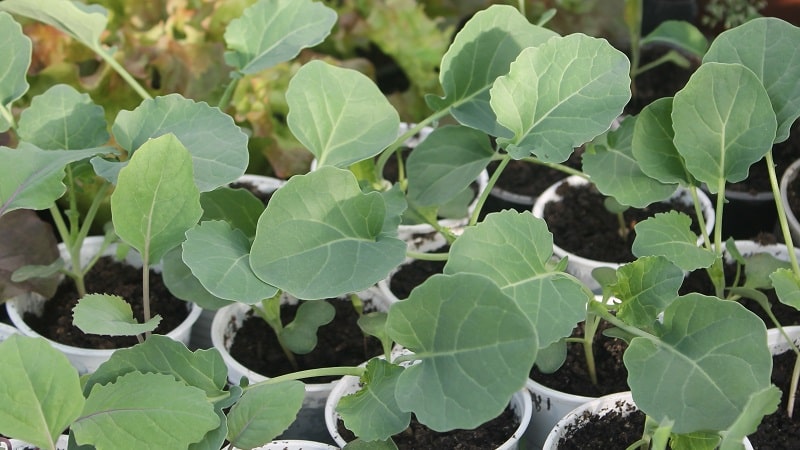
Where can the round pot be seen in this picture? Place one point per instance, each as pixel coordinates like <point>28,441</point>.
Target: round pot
<point>295,445</point>
<point>520,403</point>
<point>87,360</point>
<point>201,331</point>
<point>621,402</point>
<point>61,444</point>
<point>786,180</point>
<point>582,267</point>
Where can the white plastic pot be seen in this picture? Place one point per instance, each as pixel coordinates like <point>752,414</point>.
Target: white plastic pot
<point>582,267</point>
<point>295,445</point>
<point>788,176</point>
<point>86,360</point>
<point>520,404</point>
<point>621,402</point>
<point>549,406</point>
<point>61,444</point>
<point>6,331</point>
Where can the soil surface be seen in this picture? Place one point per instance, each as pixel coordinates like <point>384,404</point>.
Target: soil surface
<point>777,431</point>
<point>339,343</point>
<point>411,275</point>
<point>582,225</point>
<point>110,277</point>
<point>530,179</point>
<point>492,434</point>
<point>613,431</point>
<point>661,81</point>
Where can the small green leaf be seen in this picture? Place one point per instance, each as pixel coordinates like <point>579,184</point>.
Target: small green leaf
<point>63,119</point>
<point>182,283</point>
<point>26,273</point>
<point>321,237</point>
<point>271,32</point>
<point>552,357</point>
<point>646,287</point>
<point>560,95</point>
<point>463,379</point>
<point>669,235</point>
<point>123,412</point>
<point>264,412</point>
<point>723,122</point>
<point>110,315</point>
<point>678,34</point>
<point>374,324</point>
<point>217,146</point>
<point>653,145</point>
<point>760,404</point>
<point>40,377</point>
<point>219,257</point>
<point>15,51</point>
<point>339,114</point>
<point>86,23</point>
<point>759,267</point>
<point>300,335</point>
<point>787,286</point>
<point>239,207</point>
<point>446,163</point>
<point>156,201</point>
<point>372,413</point>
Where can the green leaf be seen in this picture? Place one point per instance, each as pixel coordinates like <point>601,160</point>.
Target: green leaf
<point>36,181</point>
<point>110,315</point>
<point>15,51</point>
<point>264,412</point>
<point>219,256</point>
<point>63,119</point>
<point>760,404</point>
<point>321,237</point>
<point>156,201</point>
<point>616,172</point>
<point>787,286</point>
<point>27,241</point>
<point>513,250</point>
<point>26,273</point>
<point>125,411</point>
<point>560,95</point>
<point>41,378</point>
<point>482,51</point>
<point>359,444</point>
<point>723,122</point>
<point>372,413</point>
<point>86,23</point>
<point>339,114</point>
<point>271,32</point>
<point>768,47</point>
<point>239,207</point>
<point>300,335</point>
<point>646,287</point>
<point>669,235</point>
<point>446,163</point>
<point>182,283</point>
<point>217,145</point>
<point>678,34</point>
<point>552,357</point>
<point>759,267</point>
<point>653,145</point>
<point>475,349</point>
<point>710,353</point>
<point>203,369</point>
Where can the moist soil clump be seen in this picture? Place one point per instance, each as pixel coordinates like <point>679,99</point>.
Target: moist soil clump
<point>582,225</point>
<point>613,431</point>
<point>339,343</point>
<point>491,434</point>
<point>778,431</point>
<point>107,276</point>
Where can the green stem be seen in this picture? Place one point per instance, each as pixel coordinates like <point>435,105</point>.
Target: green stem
<point>91,213</point>
<point>489,186</point>
<point>108,58</point>
<point>776,193</point>
<point>146,290</point>
<point>311,373</point>
<point>701,218</point>
<point>793,386</point>
<point>718,216</point>
<point>427,256</point>
<point>6,114</point>
<point>521,5</point>
<point>271,314</point>
<point>601,311</point>
<point>589,330</point>
<point>229,89</point>
<point>566,169</point>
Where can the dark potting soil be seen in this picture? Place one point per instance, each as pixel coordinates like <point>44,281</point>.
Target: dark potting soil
<point>411,275</point>
<point>110,277</point>
<point>491,434</point>
<point>661,81</point>
<point>783,155</point>
<point>339,343</point>
<point>258,193</point>
<point>529,179</point>
<point>573,377</point>
<point>582,225</point>
<point>778,431</point>
<point>613,431</point>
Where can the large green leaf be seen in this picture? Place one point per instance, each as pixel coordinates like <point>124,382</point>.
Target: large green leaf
<point>653,145</point>
<point>264,412</point>
<point>669,235</point>
<point>709,357</point>
<point>372,412</point>
<point>36,181</point>
<point>611,164</point>
<point>339,114</point>
<point>63,119</point>
<point>41,388</point>
<point>474,345</point>
<point>86,23</point>
<point>15,51</point>
<point>151,409</point>
<point>560,95</point>
<point>109,315</point>
<point>156,201</point>
<point>768,47</point>
<point>513,249</point>
<point>723,122</point>
<point>182,283</point>
<point>219,256</point>
<point>646,287</point>
<point>217,145</point>
<point>273,31</point>
<point>482,51</point>
<point>321,237</point>
<point>446,163</point>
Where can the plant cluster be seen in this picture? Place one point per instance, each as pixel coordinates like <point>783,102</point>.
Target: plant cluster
<point>475,331</point>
